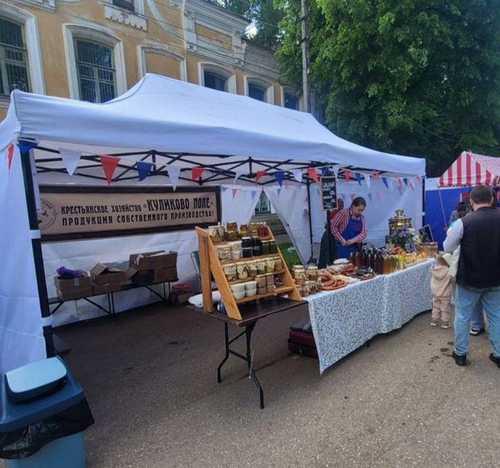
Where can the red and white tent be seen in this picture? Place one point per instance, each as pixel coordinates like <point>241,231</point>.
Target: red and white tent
<point>472,169</point>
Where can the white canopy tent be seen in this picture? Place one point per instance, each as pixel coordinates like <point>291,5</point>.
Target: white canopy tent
<point>167,122</point>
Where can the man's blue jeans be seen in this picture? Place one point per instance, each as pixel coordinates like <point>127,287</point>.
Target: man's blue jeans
<point>477,320</point>
<point>466,300</point>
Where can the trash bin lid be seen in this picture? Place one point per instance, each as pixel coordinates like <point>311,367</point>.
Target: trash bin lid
<point>15,415</point>
<point>35,379</point>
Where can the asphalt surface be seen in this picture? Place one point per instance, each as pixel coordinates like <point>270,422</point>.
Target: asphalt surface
<point>150,381</point>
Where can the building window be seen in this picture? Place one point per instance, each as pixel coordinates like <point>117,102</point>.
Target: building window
<point>214,80</point>
<point>257,92</point>
<point>96,71</point>
<point>291,101</point>
<point>125,4</point>
<point>13,58</point>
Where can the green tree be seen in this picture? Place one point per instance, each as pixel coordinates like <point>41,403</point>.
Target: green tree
<point>416,77</point>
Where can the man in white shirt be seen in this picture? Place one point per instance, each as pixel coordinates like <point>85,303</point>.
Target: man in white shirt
<point>478,275</point>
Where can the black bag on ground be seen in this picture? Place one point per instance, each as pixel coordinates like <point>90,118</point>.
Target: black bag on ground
<point>24,442</point>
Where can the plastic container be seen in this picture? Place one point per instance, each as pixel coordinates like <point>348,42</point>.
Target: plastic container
<point>43,413</point>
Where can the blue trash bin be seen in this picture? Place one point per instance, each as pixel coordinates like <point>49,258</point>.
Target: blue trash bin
<point>43,413</point>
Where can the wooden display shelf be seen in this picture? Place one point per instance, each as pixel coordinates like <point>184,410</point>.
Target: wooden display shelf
<point>210,265</point>
<point>277,292</point>
<point>281,272</point>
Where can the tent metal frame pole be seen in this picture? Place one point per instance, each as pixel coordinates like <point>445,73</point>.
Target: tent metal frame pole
<point>36,242</point>
<point>308,185</point>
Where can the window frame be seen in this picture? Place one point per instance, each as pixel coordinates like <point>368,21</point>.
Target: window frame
<point>229,75</point>
<point>100,35</point>
<point>3,68</point>
<point>266,85</point>
<point>288,91</point>
<point>95,69</point>
<point>29,24</point>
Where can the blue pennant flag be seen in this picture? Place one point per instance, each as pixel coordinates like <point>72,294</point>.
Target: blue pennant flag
<point>359,177</point>
<point>280,177</point>
<point>325,171</point>
<point>386,182</point>
<point>25,146</point>
<point>405,180</point>
<point>144,169</point>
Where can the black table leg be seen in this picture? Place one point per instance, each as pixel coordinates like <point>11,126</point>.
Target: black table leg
<point>226,357</point>
<point>248,357</point>
<point>251,371</point>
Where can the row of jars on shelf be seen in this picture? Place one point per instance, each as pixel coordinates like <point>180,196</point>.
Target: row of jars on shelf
<point>231,232</point>
<point>260,286</point>
<point>251,269</point>
<point>245,248</point>
<point>383,263</point>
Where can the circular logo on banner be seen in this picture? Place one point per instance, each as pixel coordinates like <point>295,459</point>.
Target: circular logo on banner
<point>48,216</point>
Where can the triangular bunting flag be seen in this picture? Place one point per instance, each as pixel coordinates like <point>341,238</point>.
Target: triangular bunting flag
<point>386,182</point>
<point>70,158</point>
<point>376,175</point>
<point>109,165</point>
<point>325,171</point>
<point>259,175</point>
<point>297,175</point>
<point>279,191</point>
<point>144,169</point>
<point>280,177</point>
<point>359,177</point>
<point>174,173</point>
<point>25,146</point>
<point>313,174</point>
<point>196,173</point>
<point>10,155</point>
<point>368,180</point>
<point>238,172</point>
<point>419,179</point>
<point>347,175</point>
<point>405,180</point>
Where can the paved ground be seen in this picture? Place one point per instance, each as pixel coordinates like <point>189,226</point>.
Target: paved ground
<point>150,380</point>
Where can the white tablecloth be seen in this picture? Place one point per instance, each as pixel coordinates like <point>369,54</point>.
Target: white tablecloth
<point>345,319</point>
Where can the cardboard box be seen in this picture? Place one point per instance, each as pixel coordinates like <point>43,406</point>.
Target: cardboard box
<point>165,275</point>
<point>100,289</point>
<point>116,274</point>
<point>153,260</point>
<point>76,288</point>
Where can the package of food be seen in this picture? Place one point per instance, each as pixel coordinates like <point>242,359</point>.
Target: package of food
<point>74,288</point>
<point>153,260</point>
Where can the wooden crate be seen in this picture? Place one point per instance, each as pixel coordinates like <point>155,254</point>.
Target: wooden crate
<point>210,265</point>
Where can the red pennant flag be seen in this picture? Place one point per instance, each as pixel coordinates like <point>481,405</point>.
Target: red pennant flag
<point>347,175</point>
<point>10,155</point>
<point>313,174</point>
<point>109,165</point>
<point>259,175</point>
<point>196,173</point>
<point>419,179</point>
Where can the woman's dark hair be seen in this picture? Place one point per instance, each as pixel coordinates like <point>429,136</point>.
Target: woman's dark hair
<point>481,194</point>
<point>359,201</point>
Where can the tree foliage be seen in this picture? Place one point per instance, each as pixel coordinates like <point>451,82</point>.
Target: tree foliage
<point>416,77</point>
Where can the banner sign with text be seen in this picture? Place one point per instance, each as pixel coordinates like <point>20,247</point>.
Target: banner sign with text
<point>329,192</point>
<point>76,212</point>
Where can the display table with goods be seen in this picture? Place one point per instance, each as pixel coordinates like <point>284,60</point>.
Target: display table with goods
<point>374,292</point>
<point>253,280</point>
<point>143,270</point>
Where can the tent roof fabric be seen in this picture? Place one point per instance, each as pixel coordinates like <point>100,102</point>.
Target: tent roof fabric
<point>471,169</point>
<point>178,117</point>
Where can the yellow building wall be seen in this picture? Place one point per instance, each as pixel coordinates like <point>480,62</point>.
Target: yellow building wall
<point>163,65</point>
